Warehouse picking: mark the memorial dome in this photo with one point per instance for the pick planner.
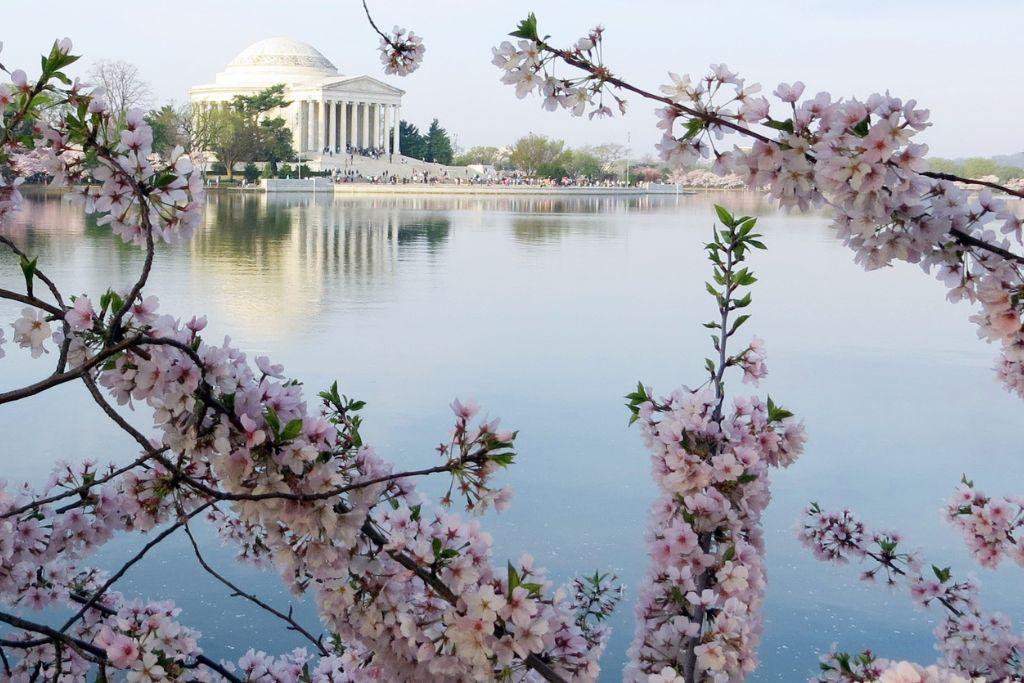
(276, 60)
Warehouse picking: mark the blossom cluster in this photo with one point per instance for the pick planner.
(858, 158)
(699, 607)
(839, 667)
(991, 527)
(972, 642)
(409, 593)
(401, 52)
(527, 66)
(706, 580)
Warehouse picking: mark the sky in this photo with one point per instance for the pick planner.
(961, 60)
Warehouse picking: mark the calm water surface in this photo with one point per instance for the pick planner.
(547, 311)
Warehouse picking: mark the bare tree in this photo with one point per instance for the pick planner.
(124, 87)
(197, 126)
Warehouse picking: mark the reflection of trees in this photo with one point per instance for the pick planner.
(539, 229)
(430, 232)
(58, 232)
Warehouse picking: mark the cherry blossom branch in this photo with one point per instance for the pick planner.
(401, 52)
(84, 489)
(532, 660)
(31, 301)
(53, 635)
(972, 642)
(98, 653)
(709, 118)
(238, 592)
(101, 591)
(604, 75)
(57, 379)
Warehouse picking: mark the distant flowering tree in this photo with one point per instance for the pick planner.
(859, 160)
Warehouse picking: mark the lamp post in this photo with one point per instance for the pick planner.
(298, 154)
(627, 158)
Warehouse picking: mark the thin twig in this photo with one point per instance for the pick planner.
(127, 565)
(238, 592)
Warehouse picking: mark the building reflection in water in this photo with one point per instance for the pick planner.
(295, 257)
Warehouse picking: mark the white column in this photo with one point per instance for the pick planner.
(332, 125)
(365, 141)
(353, 130)
(384, 130)
(318, 127)
(378, 125)
(396, 128)
(343, 126)
(295, 123)
(325, 124)
(303, 126)
(311, 139)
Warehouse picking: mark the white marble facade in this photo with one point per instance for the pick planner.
(327, 110)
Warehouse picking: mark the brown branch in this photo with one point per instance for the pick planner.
(533, 661)
(133, 560)
(31, 301)
(38, 273)
(84, 489)
(971, 181)
(238, 592)
(307, 497)
(59, 378)
(53, 635)
(606, 77)
(376, 30)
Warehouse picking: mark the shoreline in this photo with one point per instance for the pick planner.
(372, 189)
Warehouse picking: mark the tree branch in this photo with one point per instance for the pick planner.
(238, 592)
(127, 565)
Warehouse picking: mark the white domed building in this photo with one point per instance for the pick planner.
(328, 111)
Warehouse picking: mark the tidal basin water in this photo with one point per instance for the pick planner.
(547, 311)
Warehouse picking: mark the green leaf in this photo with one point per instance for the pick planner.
(272, 421)
(527, 28)
(513, 578)
(693, 127)
(292, 430)
(739, 321)
(28, 269)
(785, 126)
(742, 302)
(862, 128)
(776, 412)
(724, 215)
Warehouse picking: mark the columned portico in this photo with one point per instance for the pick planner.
(328, 111)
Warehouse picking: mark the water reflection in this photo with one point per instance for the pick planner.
(548, 309)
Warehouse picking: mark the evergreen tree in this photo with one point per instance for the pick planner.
(410, 141)
(438, 144)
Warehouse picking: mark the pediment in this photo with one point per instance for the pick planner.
(364, 85)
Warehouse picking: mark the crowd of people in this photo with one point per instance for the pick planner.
(353, 152)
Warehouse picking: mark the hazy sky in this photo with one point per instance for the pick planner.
(960, 59)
